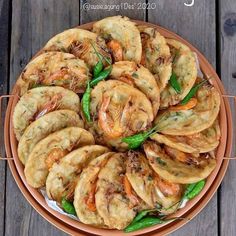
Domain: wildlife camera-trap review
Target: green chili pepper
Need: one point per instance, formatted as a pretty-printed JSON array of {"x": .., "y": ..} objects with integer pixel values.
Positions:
[
  {"x": 137, "y": 140},
  {"x": 146, "y": 222},
  {"x": 142, "y": 214},
  {"x": 98, "y": 72},
  {"x": 97, "y": 68},
  {"x": 68, "y": 207},
  {"x": 86, "y": 102},
  {"x": 175, "y": 83},
  {"x": 143, "y": 223},
  {"x": 100, "y": 56},
  {"x": 194, "y": 189},
  {"x": 188, "y": 189},
  {"x": 192, "y": 92},
  {"x": 102, "y": 75}
]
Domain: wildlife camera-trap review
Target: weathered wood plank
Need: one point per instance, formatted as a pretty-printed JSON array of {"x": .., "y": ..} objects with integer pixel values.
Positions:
[
  {"x": 96, "y": 10},
  {"x": 197, "y": 25},
  {"x": 4, "y": 58},
  {"x": 33, "y": 23},
  {"x": 227, "y": 38}
]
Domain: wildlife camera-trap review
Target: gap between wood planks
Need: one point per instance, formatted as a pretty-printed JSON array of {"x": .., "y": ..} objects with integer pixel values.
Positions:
[{"x": 218, "y": 71}]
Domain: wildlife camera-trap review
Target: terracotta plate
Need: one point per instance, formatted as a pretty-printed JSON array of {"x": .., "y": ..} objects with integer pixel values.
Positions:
[{"x": 190, "y": 210}]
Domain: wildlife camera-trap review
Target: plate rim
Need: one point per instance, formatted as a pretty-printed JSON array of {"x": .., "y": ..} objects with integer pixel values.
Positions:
[{"x": 91, "y": 229}]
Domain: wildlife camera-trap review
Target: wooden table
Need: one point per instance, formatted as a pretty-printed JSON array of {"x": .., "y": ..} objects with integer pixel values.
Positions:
[{"x": 26, "y": 25}]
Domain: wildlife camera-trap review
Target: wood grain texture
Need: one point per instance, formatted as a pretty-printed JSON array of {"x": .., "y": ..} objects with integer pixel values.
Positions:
[
  {"x": 33, "y": 23},
  {"x": 116, "y": 8},
  {"x": 4, "y": 58},
  {"x": 227, "y": 38},
  {"x": 197, "y": 25}
]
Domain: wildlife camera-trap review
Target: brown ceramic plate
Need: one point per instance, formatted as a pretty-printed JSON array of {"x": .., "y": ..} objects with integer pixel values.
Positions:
[
  {"x": 190, "y": 210},
  {"x": 70, "y": 230}
]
